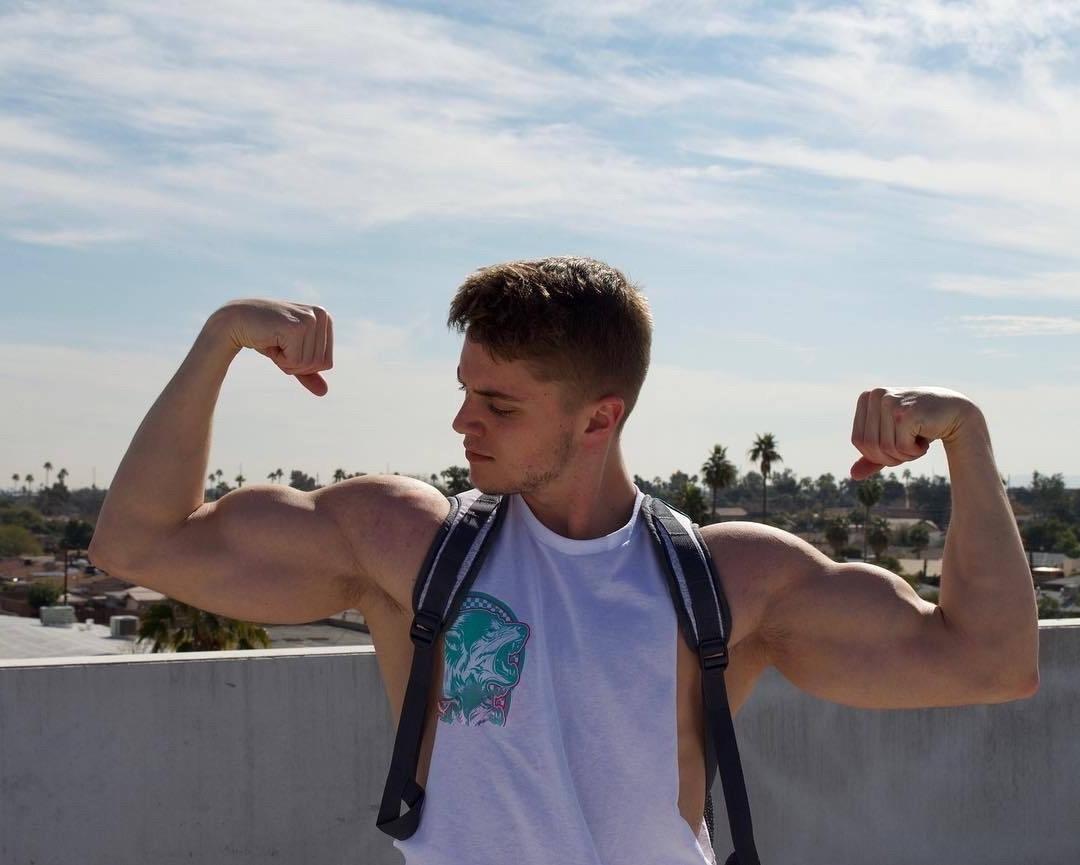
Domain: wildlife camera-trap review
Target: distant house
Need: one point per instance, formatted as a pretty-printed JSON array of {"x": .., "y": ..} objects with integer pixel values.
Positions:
[
  {"x": 136, "y": 599},
  {"x": 725, "y": 514},
  {"x": 915, "y": 566},
  {"x": 1043, "y": 575},
  {"x": 908, "y": 522}
]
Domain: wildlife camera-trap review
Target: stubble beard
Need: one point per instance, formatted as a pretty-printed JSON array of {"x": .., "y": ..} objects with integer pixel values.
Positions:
[{"x": 535, "y": 480}]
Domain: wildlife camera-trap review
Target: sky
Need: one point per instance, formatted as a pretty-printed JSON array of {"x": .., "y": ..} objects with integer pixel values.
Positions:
[{"x": 816, "y": 198}]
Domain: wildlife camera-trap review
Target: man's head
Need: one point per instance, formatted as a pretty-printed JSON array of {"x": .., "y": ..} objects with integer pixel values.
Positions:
[{"x": 569, "y": 338}]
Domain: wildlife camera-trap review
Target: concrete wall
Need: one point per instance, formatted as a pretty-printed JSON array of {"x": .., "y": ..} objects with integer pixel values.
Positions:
[{"x": 280, "y": 756}]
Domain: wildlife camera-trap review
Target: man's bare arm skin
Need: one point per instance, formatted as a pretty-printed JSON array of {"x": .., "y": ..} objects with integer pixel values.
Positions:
[
  {"x": 857, "y": 634},
  {"x": 261, "y": 553}
]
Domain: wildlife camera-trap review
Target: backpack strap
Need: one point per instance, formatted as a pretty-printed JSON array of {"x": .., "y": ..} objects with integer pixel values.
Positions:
[
  {"x": 451, "y": 565},
  {"x": 705, "y": 619}
]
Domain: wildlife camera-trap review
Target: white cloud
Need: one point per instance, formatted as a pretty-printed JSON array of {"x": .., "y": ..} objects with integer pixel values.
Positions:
[
  {"x": 354, "y": 114},
  {"x": 33, "y": 138},
  {"x": 1021, "y": 325},
  {"x": 73, "y": 238},
  {"x": 293, "y": 117},
  {"x": 1053, "y": 285}
]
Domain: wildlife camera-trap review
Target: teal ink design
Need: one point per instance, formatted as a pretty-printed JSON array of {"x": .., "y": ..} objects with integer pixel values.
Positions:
[{"x": 484, "y": 657}]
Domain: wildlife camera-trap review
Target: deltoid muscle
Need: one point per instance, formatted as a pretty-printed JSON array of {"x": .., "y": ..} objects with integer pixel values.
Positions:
[{"x": 484, "y": 658}]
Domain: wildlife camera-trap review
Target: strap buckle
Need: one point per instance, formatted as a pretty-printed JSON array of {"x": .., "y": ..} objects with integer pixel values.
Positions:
[
  {"x": 425, "y": 627},
  {"x": 713, "y": 654}
]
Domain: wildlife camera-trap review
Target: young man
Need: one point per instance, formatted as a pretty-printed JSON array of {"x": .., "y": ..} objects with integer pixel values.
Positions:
[{"x": 566, "y": 705}]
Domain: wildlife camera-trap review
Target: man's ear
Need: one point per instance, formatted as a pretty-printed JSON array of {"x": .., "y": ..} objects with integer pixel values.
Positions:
[{"x": 607, "y": 412}]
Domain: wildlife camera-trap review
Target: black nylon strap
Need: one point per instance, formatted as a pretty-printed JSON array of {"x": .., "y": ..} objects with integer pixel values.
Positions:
[
  {"x": 713, "y": 619},
  {"x": 428, "y": 623}
]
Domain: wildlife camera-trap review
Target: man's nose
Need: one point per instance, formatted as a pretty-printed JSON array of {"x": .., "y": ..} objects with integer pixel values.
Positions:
[{"x": 465, "y": 421}]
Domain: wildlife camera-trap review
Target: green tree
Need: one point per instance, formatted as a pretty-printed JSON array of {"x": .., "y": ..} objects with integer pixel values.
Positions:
[
  {"x": 1049, "y": 607},
  {"x": 718, "y": 472},
  {"x": 869, "y": 493},
  {"x": 691, "y": 501},
  {"x": 42, "y": 594},
  {"x": 764, "y": 452},
  {"x": 932, "y": 499},
  {"x": 77, "y": 535},
  {"x": 1050, "y": 535},
  {"x": 48, "y": 468},
  {"x": 879, "y": 537},
  {"x": 827, "y": 490},
  {"x": 456, "y": 479},
  {"x": 177, "y": 627},
  {"x": 918, "y": 538},
  {"x": 836, "y": 535},
  {"x": 1049, "y": 497},
  {"x": 339, "y": 475},
  {"x": 18, "y": 541},
  {"x": 300, "y": 481}
]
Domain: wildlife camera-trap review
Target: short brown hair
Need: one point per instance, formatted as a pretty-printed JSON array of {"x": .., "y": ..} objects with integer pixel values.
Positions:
[{"x": 573, "y": 320}]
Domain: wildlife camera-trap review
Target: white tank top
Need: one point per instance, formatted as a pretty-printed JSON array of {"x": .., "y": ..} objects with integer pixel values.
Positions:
[{"x": 556, "y": 737}]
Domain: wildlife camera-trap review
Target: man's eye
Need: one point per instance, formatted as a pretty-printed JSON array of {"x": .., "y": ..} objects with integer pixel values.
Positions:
[{"x": 498, "y": 411}]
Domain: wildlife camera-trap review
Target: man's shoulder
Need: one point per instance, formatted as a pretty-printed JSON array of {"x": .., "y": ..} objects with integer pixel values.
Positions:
[
  {"x": 390, "y": 521},
  {"x": 756, "y": 563}
]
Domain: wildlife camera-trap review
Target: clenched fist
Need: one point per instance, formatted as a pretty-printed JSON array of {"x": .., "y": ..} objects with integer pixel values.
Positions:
[
  {"x": 298, "y": 337},
  {"x": 894, "y": 425}
]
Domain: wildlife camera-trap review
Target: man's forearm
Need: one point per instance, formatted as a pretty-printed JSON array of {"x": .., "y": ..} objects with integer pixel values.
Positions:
[
  {"x": 160, "y": 480},
  {"x": 986, "y": 593}
]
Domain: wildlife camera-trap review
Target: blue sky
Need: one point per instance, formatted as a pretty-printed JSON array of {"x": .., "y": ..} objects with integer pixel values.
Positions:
[{"x": 816, "y": 198}]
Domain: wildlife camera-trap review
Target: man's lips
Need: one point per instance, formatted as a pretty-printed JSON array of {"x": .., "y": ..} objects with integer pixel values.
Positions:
[{"x": 470, "y": 454}]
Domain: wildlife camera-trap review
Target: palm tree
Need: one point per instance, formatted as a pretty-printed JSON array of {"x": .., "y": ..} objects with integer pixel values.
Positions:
[
  {"x": 718, "y": 471},
  {"x": 240, "y": 480},
  {"x": 29, "y": 485},
  {"x": 869, "y": 493},
  {"x": 836, "y": 535},
  {"x": 919, "y": 540},
  {"x": 764, "y": 452},
  {"x": 48, "y": 468},
  {"x": 177, "y": 627},
  {"x": 907, "y": 497},
  {"x": 60, "y": 475},
  {"x": 16, "y": 479},
  {"x": 879, "y": 537},
  {"x": 339, "y": 475}
]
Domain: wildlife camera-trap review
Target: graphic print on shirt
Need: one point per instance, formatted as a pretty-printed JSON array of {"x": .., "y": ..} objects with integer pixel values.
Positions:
[{"x": 484, "y": 658}]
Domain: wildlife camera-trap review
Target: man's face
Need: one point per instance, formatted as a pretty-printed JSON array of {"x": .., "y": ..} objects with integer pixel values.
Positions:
[{"x": 513, "y": 419}]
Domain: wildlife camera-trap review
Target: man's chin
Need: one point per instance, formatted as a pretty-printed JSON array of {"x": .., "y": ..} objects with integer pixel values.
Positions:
[{"x": 493, "y": 488}]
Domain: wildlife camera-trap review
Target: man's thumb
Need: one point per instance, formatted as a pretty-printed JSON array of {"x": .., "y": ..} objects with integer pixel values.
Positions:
[
  {"x": 314, "y": 383},
  {"x": 863, "y": 468}
]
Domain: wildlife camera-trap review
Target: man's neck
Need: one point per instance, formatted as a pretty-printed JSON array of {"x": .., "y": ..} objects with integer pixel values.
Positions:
[{"x": 584, "y": 508}]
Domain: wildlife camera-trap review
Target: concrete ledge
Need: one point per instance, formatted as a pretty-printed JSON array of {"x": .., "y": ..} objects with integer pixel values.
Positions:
[{"x": 218, "y": 758}]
